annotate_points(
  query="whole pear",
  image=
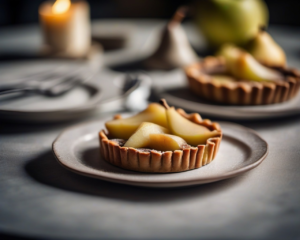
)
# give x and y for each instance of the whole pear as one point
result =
(230, 21)
(265, 50)
(174, 49)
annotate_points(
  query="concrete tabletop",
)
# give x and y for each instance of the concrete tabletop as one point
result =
(39, 198)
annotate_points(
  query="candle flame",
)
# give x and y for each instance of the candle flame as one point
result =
(61, 6)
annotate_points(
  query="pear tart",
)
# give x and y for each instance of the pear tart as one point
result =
(147, 159)
(210, 80)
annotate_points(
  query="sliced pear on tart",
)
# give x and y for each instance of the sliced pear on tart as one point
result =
(124, 128)
(166, 142)
(194, 134)
(236, 77)
(243, 65)
(188, 143)
(141, 137)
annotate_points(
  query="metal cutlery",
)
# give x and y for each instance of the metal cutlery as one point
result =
(49, 83)
(136, 89)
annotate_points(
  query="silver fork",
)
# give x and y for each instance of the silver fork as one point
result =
(48, 83)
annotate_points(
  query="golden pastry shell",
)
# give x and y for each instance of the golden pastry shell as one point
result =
(166, 161)
(240, 92)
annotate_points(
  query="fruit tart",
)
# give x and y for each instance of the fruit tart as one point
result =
(235, 77)
(160, 139)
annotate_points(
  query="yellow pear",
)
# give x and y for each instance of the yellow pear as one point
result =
(243, 66)
(141, 137)
(166, 142)
(265, 50)
(192, 133)
(124, 128)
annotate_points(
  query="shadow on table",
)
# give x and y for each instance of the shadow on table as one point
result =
(15, 127)
(11, 236)
(130, 66)
(11, 57)
(47, 170)
(139, 64)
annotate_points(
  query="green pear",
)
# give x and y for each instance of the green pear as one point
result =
(230, 21)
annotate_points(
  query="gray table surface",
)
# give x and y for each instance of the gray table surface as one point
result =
(39, 198)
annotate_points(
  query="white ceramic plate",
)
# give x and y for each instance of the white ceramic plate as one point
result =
(176, 92)
(77, 149)
(104, 92)
(76, 103)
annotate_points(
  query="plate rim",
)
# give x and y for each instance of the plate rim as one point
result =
(161, 183)
(96, 103)
(260, 114)
(85, 106)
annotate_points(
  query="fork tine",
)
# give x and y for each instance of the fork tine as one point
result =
(64, 86)
(51, 83)
(29, 76)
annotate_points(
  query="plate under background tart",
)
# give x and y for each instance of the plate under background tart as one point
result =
(199, 76)
(150, 160)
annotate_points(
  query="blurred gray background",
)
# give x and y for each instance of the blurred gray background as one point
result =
(16, 12)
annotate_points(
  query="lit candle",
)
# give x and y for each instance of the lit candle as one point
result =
(66, 27)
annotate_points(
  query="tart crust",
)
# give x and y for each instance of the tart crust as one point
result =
(147, 160)
(240, 92)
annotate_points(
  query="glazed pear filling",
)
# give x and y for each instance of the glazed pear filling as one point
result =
(158, 142)
(242, 65)
(158, 127)
(160, 139)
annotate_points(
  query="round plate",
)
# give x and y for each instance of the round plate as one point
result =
(76, 103)
(104, 92)
(77, 149)
(175, 90)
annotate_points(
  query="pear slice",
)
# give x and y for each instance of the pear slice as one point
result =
(166, 142)
(265, 50)
(141, 138)
(243, 66)
(124, 128)
(192, 133)
(222, 79)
